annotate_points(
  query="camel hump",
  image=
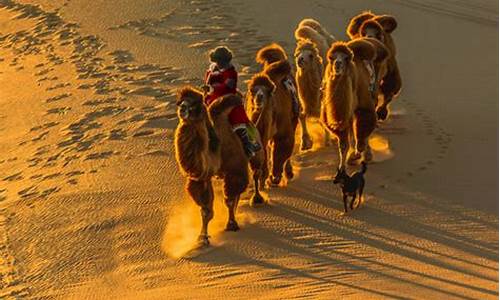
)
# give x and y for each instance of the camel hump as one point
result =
(279, 70)
(270, 54)
(382, 52)
(356, 21)
(388, 22)
(362, 49)
(312, 23)
(223, 104)
(308, 33)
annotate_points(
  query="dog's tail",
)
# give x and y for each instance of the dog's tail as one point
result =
(363, 167)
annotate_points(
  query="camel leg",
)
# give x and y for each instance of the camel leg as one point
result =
(232, 203)
(343, 144)
(257, 170)
(289, 170)
(365, 122)
(282, 151)
(234, 185)
(203, 195)
(383, 110)
(390, 86)
(328, 138)
(307, 142)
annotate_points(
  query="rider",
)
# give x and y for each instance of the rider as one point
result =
(221, 79)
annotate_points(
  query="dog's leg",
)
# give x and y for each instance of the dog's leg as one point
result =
(352, 201)
(360, 194)
(345, 203)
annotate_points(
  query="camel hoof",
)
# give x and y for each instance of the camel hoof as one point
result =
(306, 144)
(274, 181)
(257, 199)
(203, 241)
(382, 113)
(232, 226)
(289, 171)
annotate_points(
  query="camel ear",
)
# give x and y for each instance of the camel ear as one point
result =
(389, 23)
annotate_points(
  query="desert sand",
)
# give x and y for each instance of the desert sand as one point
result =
(92, 203)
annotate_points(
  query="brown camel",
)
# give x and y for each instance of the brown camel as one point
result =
(206, 146)
(348, 108)
(309, 75)
(356, 22)
(278, 121)
(363, 25)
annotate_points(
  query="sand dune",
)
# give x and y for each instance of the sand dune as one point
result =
(92, 204)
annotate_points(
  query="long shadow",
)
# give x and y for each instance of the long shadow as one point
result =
(442, 207)
(276, 241)
(407, 226)
(352, 234)
(243, 260)
(318, 222)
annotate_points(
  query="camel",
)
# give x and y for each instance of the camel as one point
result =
(348, 109)
(205, 146)
(356, 22)
(363, 25)
(309, 75)
(271, 109)
(310, 29)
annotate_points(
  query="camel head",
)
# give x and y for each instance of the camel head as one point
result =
(387, 22)
(190, 107)
(339, 58)
(306, 53)
(356, 22)
(372, 29)
(261, 90)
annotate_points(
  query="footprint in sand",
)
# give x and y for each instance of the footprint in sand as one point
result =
(58, 110)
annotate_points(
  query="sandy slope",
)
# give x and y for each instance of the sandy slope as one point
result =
(92, 204)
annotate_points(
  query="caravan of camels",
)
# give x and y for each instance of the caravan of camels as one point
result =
(346, 86)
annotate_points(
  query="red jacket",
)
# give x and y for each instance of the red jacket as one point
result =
(223, 82)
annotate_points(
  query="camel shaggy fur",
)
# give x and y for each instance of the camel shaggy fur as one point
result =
(356, 22)
(311, 30)
(201, 141)
(348, 109)
(308, 75)
(270, 106)
(365, 25)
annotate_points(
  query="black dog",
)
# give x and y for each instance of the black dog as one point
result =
(351, 185)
